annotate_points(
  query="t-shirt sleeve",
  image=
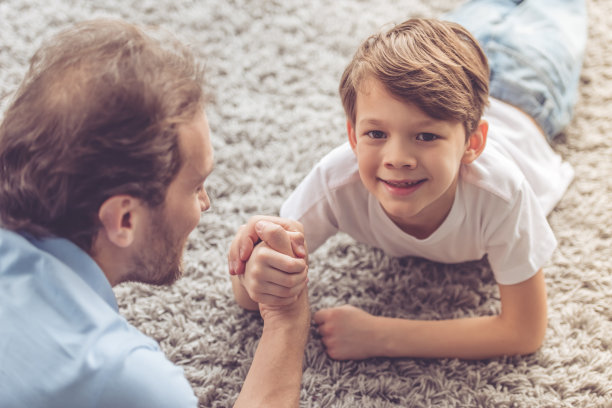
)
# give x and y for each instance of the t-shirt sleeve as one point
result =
(310, 204)
(147, 379)
(519, 239)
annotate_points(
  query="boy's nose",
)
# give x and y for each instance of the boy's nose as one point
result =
(397, 155)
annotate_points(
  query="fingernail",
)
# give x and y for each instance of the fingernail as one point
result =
(301, 249)
(233, 267)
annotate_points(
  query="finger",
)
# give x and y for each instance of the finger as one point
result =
(259, 280)
(247, 237)
(298, 244)
(240, 247)
(280, 262)
(274, 236)
(270, 300)
(319, 317)
(286, 223)
(283, 292)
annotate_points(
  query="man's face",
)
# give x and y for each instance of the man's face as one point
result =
(407, 160)
(169, 226)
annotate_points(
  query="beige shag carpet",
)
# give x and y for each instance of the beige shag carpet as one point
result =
(273, 67)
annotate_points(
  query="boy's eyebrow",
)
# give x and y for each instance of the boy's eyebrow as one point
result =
(368, 121)
(377, 122)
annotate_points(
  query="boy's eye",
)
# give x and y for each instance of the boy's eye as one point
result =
(376, 134)
(427, 137)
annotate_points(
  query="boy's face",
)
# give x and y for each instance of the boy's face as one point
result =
(409, 161)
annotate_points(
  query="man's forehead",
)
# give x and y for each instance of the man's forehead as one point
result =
(196, 147)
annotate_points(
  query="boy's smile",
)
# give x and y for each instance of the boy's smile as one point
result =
(408, 160)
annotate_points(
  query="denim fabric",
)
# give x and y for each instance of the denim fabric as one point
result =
(535, 50)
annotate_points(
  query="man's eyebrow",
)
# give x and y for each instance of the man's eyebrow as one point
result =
(202, 177)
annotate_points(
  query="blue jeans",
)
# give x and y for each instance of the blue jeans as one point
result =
(535, 50)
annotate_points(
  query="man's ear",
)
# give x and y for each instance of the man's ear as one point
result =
(350, 130)
(476, 143)
(120, 216)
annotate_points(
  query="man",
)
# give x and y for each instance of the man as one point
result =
(103, 155)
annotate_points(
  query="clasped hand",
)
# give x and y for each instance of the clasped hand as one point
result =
(277, 268)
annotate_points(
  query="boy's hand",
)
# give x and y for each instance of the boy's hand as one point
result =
(273, 276)
(247, 237)
(347, 332)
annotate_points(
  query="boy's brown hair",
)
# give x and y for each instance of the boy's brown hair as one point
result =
(436, 65)
(95, 116)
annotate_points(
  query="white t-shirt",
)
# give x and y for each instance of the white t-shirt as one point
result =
(499, 210)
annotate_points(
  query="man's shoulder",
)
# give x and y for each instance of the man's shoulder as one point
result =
(52, 316)
(146, 378)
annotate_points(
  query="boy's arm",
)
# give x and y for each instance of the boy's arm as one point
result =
(518, 329)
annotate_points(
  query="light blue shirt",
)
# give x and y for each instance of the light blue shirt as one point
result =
(62, 340)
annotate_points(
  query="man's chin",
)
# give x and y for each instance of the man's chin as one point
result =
(169, 278)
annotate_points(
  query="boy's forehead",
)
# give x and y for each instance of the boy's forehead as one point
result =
(372, 88)
(375, 105)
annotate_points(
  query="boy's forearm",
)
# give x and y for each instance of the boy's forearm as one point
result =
(241, 295)
(467, 338)
(518, 329)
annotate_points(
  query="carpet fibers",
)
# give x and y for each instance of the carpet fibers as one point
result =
(273, 67)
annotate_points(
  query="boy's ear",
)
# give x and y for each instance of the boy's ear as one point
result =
(350, 130)
(120, 216)
(476, 143)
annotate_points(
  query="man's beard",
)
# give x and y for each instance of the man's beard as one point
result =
(159, 261)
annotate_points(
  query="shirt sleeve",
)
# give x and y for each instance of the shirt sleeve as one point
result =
(310, 204)
(147, 379)
(520, 240)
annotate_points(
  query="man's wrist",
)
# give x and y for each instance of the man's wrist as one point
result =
(297, 327)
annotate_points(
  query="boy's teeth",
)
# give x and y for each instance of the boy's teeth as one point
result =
(403, 184)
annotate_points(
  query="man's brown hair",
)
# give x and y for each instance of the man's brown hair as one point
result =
(95, 116)
(436, 65)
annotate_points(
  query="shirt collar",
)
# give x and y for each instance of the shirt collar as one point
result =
(81, 263)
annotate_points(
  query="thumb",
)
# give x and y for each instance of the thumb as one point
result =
(298, 244)
(274, 236)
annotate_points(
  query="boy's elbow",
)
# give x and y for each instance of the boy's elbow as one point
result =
(530, 345)
(529, 340)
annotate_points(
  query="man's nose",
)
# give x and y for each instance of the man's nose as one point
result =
(204, 200)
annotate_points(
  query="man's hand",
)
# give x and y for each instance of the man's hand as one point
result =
(275, 375)
(273, 276)
(247, 237)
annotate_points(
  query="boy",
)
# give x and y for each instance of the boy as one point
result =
(415, 178)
